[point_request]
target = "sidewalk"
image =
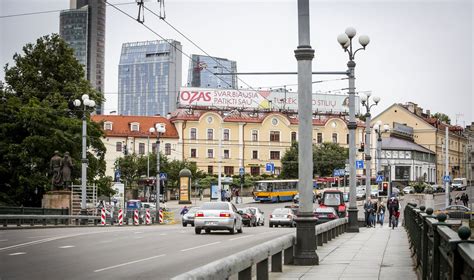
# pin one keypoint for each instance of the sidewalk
(373, 253)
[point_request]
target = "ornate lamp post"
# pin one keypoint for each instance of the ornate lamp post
(365, 99)
(86, 102)
(159, 128)
(345, 40)
(379, 130)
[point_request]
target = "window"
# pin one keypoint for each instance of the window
(210, 169)
(347, 139)
(153, 148)
(274, 154)
(254, 170)
(226, 134)
(167, 149)
(141, 148)
(254, 154)
(334, 137)
(320, 138)
(293, 136)
(135, 126)
(226, 154)
(193, 153)
(193, 133)
(210, 153)
(229, 170)
(254, 135)
(274, 136)
(118, 146)
(210, 134)
(108, 126)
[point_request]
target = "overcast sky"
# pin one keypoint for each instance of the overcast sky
(420, 51)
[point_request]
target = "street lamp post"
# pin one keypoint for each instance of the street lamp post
(86, 102)
(365, 99)
(345, 40)
(159, 128)
(379, 130)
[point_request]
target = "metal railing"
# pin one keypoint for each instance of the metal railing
(13, 210)
(280, 251)
(439, 251)
(45, 220)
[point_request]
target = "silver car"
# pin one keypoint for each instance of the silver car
(188, 218)
(282, 216)
(217, 216)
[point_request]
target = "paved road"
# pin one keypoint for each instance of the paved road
(144, 252)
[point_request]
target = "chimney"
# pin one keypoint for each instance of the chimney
(411, 106)
(428, 113)
(418, 111)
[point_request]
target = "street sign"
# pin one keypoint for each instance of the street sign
(163, 176)
(359, 164)
(241, 171)
(379, 179)
(270, 167)
(339, 172)
(117, 175)
(446, 178)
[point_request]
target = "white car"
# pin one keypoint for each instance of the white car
(217, 216)
(408, 190)
(258, 215)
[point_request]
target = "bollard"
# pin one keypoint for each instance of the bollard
(102, 217)
(161, 216)
(135, 218)
(120, 217)
(147, 217)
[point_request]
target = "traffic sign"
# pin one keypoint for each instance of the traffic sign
(359, 164)
(379, 179)
(446, 178)
(339, 172)
(270, 167)
(241, 171)
(163, 176)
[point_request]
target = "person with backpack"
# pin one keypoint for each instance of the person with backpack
(392, 206)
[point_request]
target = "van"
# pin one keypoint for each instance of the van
(459, 184)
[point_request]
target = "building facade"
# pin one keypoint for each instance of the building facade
(202, 68)
(149, 77)
(83, 28)
(429, 132)
(130, 135)
(469, 133)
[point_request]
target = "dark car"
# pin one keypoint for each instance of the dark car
(248, 217)
(325, 214)
(334, 199)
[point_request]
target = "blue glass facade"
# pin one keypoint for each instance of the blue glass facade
(149, 77)
(201, 69)
(73, 29)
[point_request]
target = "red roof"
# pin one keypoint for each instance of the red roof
(121, 125)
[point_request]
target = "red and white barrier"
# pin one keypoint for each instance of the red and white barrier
(161, 217)
(136, 220)
(147, 217)
(102, 217)
(120, 217)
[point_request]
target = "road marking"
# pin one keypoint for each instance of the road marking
(67, 246)
(245, 236)
(127, 263)
(16, 254)
(184, 250)
(3, 240)
(163, 234)
(138, 232)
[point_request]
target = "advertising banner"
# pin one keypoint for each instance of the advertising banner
(260, 100)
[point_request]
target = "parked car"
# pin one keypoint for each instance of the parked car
(217, 216)
(408, 190)
(188, 218)
(438, 188)
(334, 199)
(456, 211)
(248, 217)
(282, 217)
(325, 214)
(259, 215)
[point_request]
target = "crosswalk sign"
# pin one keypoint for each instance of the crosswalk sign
(379, 179)
(446, 178)
(163, 176)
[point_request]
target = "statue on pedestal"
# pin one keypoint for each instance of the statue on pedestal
(55, 169)
(66, 168)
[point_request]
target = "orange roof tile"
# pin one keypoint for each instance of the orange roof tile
(121, 125)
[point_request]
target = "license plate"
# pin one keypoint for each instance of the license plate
(211, 223)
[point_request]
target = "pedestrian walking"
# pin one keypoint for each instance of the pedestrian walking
(368, 208)
(184, 211)
(381, 213)
(237, 196)
(392, 206)
(464, 199)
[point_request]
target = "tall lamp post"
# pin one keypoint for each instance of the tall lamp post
(379, 130)
(86, 102)
(365, 99)
(159, 128)
(345, 40)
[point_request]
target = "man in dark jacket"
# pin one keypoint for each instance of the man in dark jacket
(392, 206)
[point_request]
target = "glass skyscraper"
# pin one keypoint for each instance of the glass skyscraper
(149, 77)
(202, 68)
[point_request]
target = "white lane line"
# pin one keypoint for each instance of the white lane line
(16, 254)
(245, 236)
(3, 240)
(127, 263)
(138, 232)
(197, 247)
(163, 234)
(67, 246)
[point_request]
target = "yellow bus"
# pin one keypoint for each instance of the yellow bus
(277, 190)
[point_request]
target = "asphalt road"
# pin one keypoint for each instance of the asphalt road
(143, 252)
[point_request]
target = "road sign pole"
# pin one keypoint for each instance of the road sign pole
(446, 169)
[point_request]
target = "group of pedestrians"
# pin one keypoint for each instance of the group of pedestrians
(228, 195)
(375, 212)
(464, 198)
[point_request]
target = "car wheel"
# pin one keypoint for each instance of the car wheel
(197, 230)
(240, 229)
(270, 225)
(184, 224)
(263, 222)
(255, 223)
(192, 224)
(232, 230)
(208, 231)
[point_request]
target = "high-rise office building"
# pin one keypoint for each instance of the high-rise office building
(149, 77)
(83, 28)
(202, 68)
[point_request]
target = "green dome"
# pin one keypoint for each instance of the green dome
(185, 173)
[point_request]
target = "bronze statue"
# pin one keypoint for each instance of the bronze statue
(66, 168)
(55, 169)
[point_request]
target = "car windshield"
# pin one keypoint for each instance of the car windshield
(332, 198)
(251, 210)
(457, 181)
(281, 211)
(215, 206)
(193, 210)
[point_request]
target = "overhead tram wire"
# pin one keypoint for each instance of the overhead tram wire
(191, 41)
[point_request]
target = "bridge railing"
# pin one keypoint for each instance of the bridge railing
(45, 220)
(280, 251)
(440, 252)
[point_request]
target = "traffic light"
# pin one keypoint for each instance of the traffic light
(125, 150)
(362, 145)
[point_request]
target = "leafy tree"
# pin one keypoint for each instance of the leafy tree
(289, 163)
(37, 119)
(442, 117)
(327, 157)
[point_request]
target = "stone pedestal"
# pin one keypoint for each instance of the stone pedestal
(305, 252)
(56, 200)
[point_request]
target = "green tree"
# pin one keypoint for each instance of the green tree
(442, 117)
(37, 119)
(327, 157)
(289, 163)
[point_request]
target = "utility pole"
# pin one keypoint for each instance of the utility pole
(446, 168)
